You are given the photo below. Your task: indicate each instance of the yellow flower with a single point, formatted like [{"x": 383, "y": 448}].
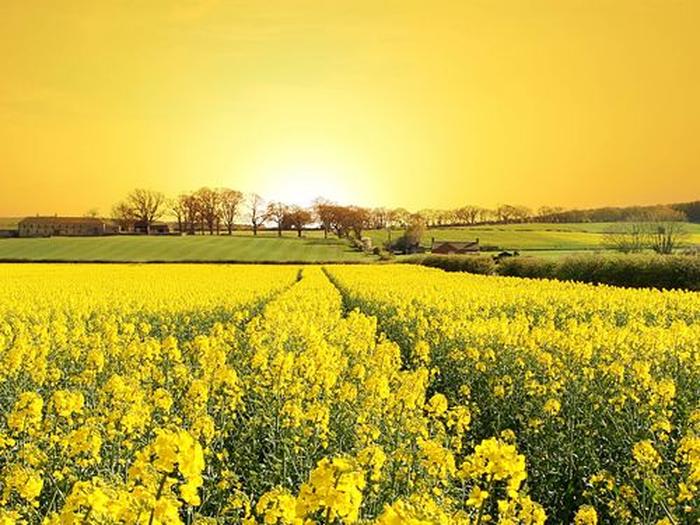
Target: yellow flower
[
  {"x": 162, "y": 399},
  {"x": 9, "y": 517},
  {"x": 437, "y": 405},
  {"x": 437, "y": 460},
  {"x": 26, "y": 482},
  {"x": 372, "y": 458},
  {"x": 148, "y": 371},
  {"x": 496, "y": 460},
  {"x": 334, "y": 487},
  {"x": 646, "y": 455},
  {"x": 173, "y": 451},
  {"x": 27, "y": 412},
  {"x": 689, "y": 454},
  {"x": 277, "y": 506},
  {"x": 586, "y": 515},
  {"x": 477, "y": 496},
  {"x": 66, "y": 403},
  {"x": 552, "y": 407},
  {"x": 85, "y": 441}
]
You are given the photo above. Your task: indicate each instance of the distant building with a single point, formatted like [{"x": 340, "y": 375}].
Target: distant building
[
  {"x": 65, "y": 226},
  {"x": 457, "y": 247},
  {"x": 505, "y": 255},
  {"x": 157, "y": 228}
]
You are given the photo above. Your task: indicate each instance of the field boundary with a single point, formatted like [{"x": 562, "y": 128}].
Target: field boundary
[{"x": 10, "y": 260}]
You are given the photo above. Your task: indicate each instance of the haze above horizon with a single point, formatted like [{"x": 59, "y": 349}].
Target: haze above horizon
[{"x": 408, "y": 103}]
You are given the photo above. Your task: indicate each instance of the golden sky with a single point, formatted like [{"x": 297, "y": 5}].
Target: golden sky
[{"x": 430, "y": 103}]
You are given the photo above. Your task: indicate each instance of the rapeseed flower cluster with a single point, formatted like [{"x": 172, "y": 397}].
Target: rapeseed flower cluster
[
  {"x": 596, "y": 386},
  {"x": 359, "y": 395}
]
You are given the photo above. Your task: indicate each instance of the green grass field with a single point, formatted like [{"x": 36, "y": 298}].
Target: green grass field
[
  {"x": 548, "y": 240},
  {"x": 556, "y": 239},
  {"x": 238, "y": 248}
]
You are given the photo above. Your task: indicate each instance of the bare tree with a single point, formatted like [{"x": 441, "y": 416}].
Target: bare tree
[
  {"x": 230, "y": 202},
  {"x": 340, "y": 220},
  {"x": 324, "y": 212},
  {"x": 143, "y": 206},
  {"x": 505, "y": 213},
  {"x": 378, "y": 218},
  {"x": 485, "y": 215},
  {"x": 389, "y": 223},
  {"x": 400, "y": 216},
  {"x": 666, "y": 236},
  {"x": 521, "y": 213},
  {"x": 92, "y": 213},
  {"x": 209, "y": 208},
  {"x": 276, "y": 212},
  {"x": 296, "y": 218},
  {"x": 177, "y": 208},
  {"x": 628, "y": 237},
  {"x": 123, "y": 215},
  {"x": 549, "y": 213},
  {"x": 256, "y": 206},
  {"x": 190, "y": 205},
  {"x": 430, "y": 216},
  {"x": 468, "y": 214},
  {"x": 358, "y": 219},
  {"x": 661, "y": 230}
]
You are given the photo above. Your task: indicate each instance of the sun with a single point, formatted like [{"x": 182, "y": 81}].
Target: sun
[{"x": 302, "y": 184}]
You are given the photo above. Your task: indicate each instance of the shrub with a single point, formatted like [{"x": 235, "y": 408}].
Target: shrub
[
  {"x": 409, "y": 242},
  {"x": 456, "y": 263},
  {"x": 385, "y": 255},
  {"x": 357, "y": 244},
  {"x": 633, "y": 271},
  {"x": 404, "y": 244},
  {"x": 533, "y": 267}
]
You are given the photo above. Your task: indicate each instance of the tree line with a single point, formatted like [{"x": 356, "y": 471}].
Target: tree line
[
  {"x": 689, "y": 211},
  {"x": 217, "y": 210}
]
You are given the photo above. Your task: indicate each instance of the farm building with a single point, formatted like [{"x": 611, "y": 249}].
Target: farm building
[
  {"x": 65, "y": 226},
  {"x": 157, "y": 228},
  {"x": 455, "y": 246}
]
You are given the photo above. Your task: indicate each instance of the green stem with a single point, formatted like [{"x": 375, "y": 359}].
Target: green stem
[
  {"x": 158, "y": 494},
  {"x": 483, "y": 503}
]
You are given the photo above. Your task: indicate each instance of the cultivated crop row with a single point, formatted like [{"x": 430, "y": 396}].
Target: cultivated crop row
[
  {"x": 598, "y": 386},
  {"x": 376, "y": 395}
]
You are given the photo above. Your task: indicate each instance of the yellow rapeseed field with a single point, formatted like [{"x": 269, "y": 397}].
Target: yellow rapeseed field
[{"x": 384, "y": 395}]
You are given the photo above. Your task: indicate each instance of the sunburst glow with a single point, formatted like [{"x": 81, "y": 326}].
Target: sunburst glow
[{"x": 399, "y": 103}]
